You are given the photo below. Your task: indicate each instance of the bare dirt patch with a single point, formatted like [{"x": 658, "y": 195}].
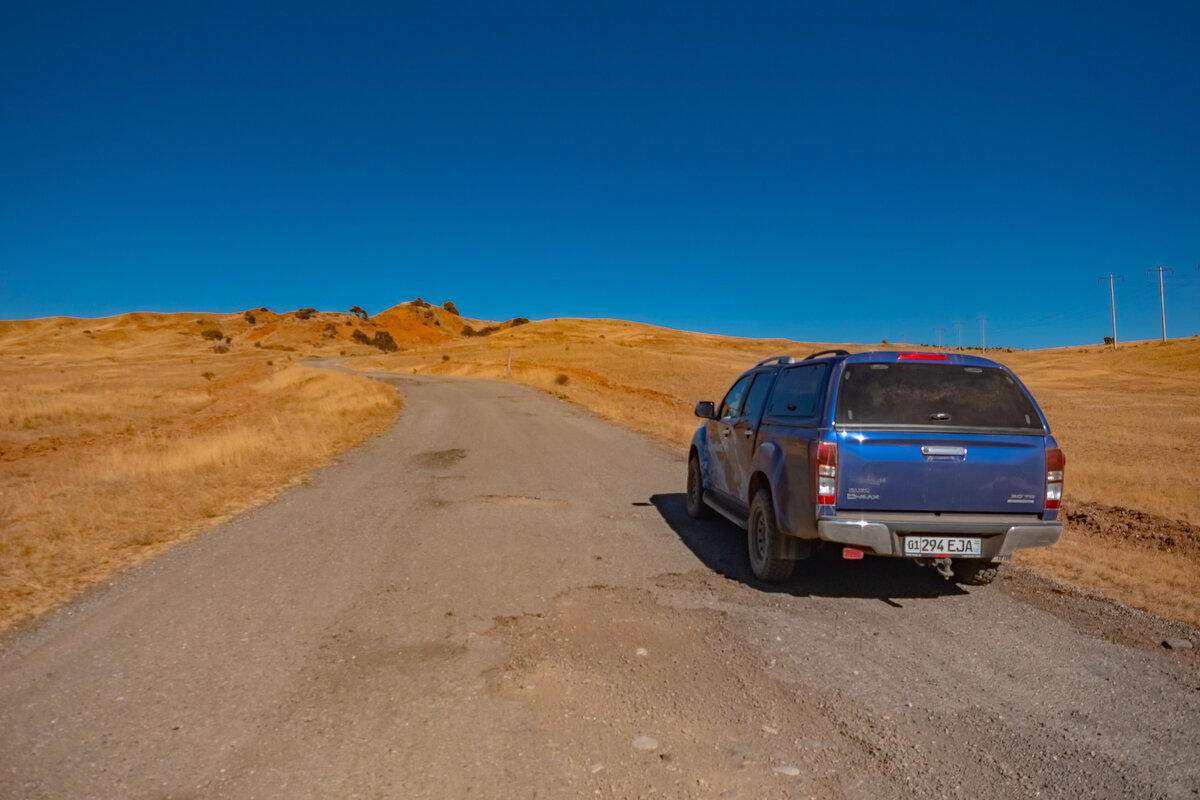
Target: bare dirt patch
[
  {"x": 1131, "y": 526},
  {"x": 639, "y": 694}
]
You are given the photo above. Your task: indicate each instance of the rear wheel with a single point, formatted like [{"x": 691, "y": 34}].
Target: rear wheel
[
  {"x": 975, "y": 573},
  {"x": 695, "y": 491},
  {"x": 765, "y": 542}
]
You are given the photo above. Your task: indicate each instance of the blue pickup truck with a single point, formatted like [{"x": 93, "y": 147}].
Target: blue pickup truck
[{"x": 942, "y": 458}]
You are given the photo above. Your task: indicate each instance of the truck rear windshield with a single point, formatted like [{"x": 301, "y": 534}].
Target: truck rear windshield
[{"x": 945, "y": 395}]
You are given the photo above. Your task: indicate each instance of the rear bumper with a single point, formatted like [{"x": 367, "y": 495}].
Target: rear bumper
[{"x": 882, "y": 534}]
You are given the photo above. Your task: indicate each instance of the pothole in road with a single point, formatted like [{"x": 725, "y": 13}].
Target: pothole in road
[
  {"x": 440, "y": 458},
  {"x": 502, "y": 500},
  {"x": 519, "y": 500}
]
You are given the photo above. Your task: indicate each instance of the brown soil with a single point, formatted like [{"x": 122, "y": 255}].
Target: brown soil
[{"x": 1131, "y": 526}]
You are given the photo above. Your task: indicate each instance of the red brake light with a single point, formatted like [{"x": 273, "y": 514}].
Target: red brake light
[
  {"x": 921, "y": 357},
  {"x": 826, "y": 473},
  {"x": 1056, "y": 463}
]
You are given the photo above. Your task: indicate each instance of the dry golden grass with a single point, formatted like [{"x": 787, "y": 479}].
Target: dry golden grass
[
  {"x": 111, "y": 451},
  {"x": 1129, "y": 422},
  {"x": 113, "y": 444}
]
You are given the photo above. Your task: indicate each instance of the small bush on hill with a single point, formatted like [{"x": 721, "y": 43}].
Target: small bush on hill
[
  {"x": 212, "y": 333},
  {"x": 469, "y": 331},
  {"x": 250, "y": 318},
  {"x": 561, "y": 379},
  {"x": 419, "y": 303},
  {"x": 220, "y": 347},
  {"x": 330, "y": 330},
  {"x": 451, "y": 308},
  {"x": 384, "y": 341},
  {"x": 518, "y": 321},
  {"x": 305, "y": 313},
  {"x": 445, "y": 357},
  {"x": 359, "y": 310},
  {"x": 360, "y": 337}
]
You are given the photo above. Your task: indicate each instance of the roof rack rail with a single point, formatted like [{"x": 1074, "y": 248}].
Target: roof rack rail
[
  {"x": 827, "y": 353},
  {"x": 777, "y": 360}
]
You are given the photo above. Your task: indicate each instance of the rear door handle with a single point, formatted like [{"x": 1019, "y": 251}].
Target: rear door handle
[
  {"x": 935, "y": 450},
  {"x": 749, "y": 432}
]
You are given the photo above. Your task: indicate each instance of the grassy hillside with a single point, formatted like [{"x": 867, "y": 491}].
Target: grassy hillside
[{"x": 120, "y": 436}]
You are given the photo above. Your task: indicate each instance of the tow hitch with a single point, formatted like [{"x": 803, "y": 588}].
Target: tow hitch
[{"x": 943, "y": 567}]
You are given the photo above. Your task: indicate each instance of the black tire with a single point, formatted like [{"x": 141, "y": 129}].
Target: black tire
[
  {"x": 765, "y": 542},
  {"x": 975, "y": 573},
  {"x": 695, "y": 491}
]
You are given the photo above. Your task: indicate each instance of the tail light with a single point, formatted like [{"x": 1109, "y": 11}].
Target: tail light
[
  {"x": 1055, "y": 462},
  {"x": 826, "y": 473}
]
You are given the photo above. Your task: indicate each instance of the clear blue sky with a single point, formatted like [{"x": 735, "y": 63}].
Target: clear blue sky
[{"x": 829, "y": 172}]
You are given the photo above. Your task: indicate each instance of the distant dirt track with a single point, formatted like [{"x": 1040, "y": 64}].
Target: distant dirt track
[{"x": 502, "y": 597}]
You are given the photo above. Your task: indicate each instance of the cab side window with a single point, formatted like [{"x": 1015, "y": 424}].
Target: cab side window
[
  {"x": 757, "y": 396},
  {"x": 798, "y": 391},
  {"x": 732, "y": 403}
]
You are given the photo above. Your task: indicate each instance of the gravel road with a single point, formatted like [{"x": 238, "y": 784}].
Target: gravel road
[{"x": 503, "y": 597}]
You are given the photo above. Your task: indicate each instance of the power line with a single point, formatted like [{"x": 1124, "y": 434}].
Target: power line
[
  {"x": 958, "y": 332},
  {"x": 1112, "y": 300},
  {"x": 1162, "y": 304},
  {"x": 938, "y": 330}
]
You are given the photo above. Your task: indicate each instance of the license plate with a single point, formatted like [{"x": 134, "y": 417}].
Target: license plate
[{"x": 953, "y": 546}]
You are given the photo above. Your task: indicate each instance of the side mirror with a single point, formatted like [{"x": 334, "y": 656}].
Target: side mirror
[{"x": 706, "y": 410}]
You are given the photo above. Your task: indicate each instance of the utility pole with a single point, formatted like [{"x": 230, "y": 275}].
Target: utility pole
[
  {"x": 958, "y": 332},
  {"x": 938, "y": 330},
  {"x": 1162, "y": 305},
  {"x": 1112, "y": 301},
  {"x": 983, "y": 331}
]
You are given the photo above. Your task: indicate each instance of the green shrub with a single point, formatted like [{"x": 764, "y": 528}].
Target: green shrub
[
  {"x": 360, "y": 337},
  {"x": 305, "y": 313},
  {"x": 451, "y": 308},
  {"x": 518, "y": 321}
]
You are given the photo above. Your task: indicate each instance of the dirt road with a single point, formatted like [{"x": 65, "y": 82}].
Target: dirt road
[{"x": 502, "y": 597}]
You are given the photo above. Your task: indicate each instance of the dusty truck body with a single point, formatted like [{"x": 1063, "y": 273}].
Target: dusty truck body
[{"x": 943, "y": 458}]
